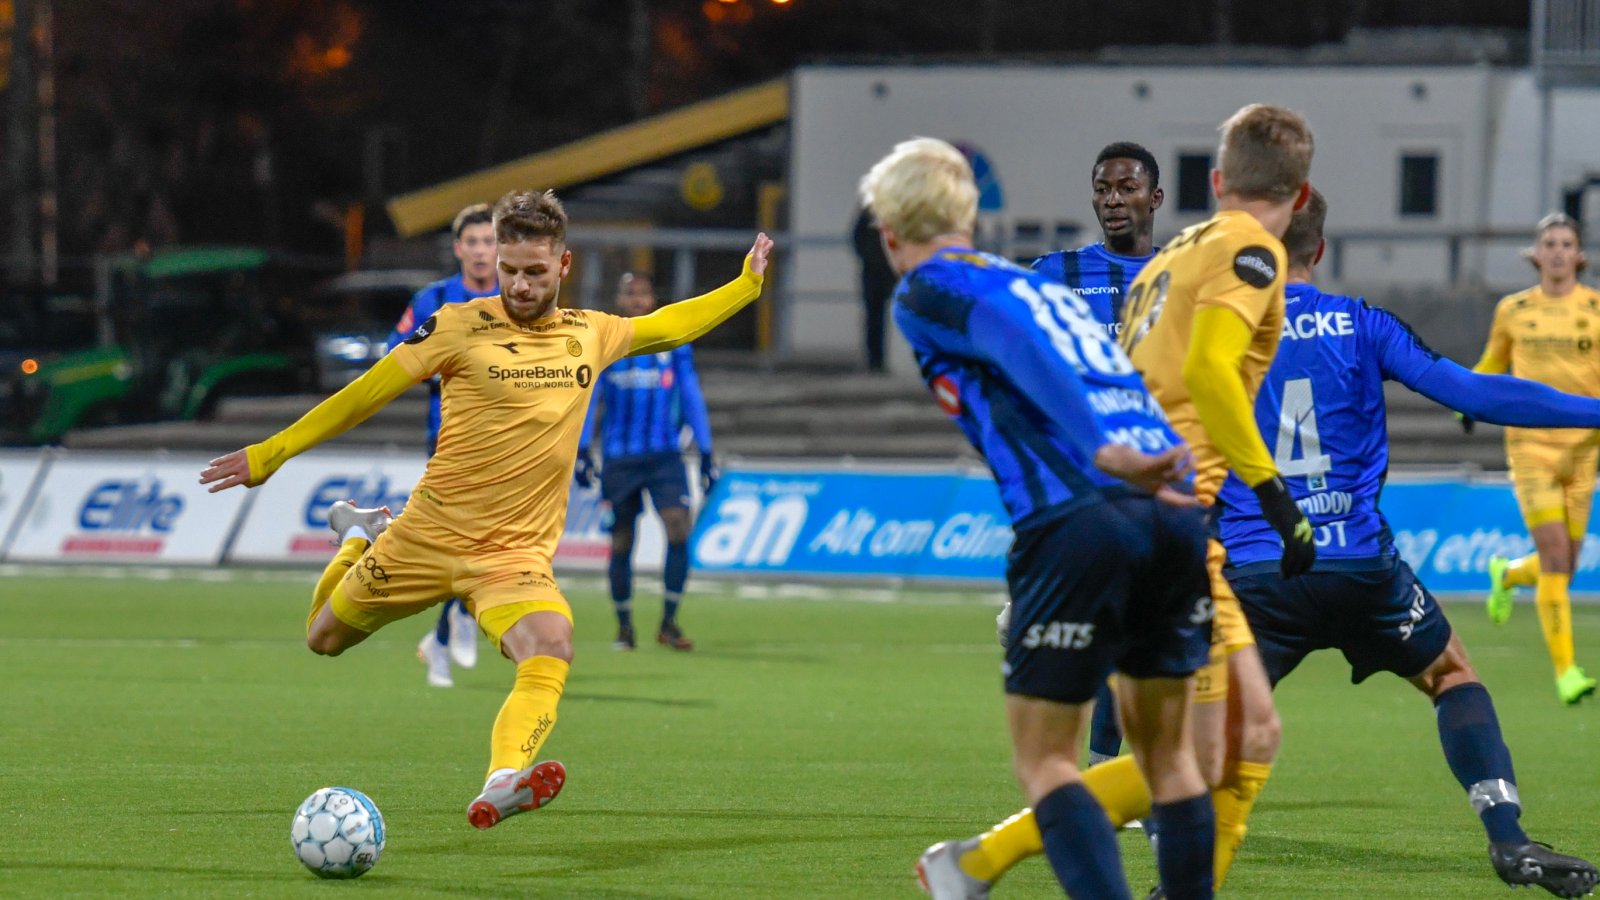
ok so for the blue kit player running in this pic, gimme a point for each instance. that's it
(1102, 576)
(456, 634)
(1125, 186)
(643, 404)
(1322, 408)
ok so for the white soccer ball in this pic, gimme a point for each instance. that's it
(337, 833)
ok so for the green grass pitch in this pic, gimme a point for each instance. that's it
(158, 734)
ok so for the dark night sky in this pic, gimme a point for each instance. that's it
(254, 120)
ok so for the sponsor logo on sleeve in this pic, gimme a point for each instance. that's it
(423, 330)
(1255, 266)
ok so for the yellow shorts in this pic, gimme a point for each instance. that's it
(401, 575)
(1542, 494)
(1229, 630)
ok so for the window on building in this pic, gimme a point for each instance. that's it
(1419, 184)
(1194, 182)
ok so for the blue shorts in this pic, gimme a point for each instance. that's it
(1119, 585)
(1381, 619)
(624, 481)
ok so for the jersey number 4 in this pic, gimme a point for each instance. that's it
(1297, 423)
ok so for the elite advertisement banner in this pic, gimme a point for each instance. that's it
(124, 509)
(288, 520)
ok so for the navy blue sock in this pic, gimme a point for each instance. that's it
(620, 571)
(441, 631)
(1185, 853)
(674, 576)
(1080, 844)
(1105, 734)
(1469, 731)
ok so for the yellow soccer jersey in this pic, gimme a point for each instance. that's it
(514, 402)
(1227, 261)
(1551, 340)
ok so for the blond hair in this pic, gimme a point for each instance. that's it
(924, 188)
(1556, 220)
(1265, 153)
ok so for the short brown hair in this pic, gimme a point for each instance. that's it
(476, 214)
(1304, 234)
(1265, 153)
(530, 216)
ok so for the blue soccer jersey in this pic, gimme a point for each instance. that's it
(1099, 276)
(423, 305)
(1322, 412)
(1033, 380)
(644, 402)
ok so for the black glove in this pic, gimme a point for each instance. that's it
(1466, 422)
(709, 472)
(583, 470)
(1292, 526)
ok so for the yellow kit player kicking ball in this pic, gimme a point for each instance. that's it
(1548, 334)
(484, 521)
(1201, 324)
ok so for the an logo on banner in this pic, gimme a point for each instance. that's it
(124, 518)
(367, 491)
(749, 531)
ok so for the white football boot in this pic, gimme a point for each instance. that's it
(513, 792)
(463, 636)
(437, 658)
(344, 515)
(940, 874)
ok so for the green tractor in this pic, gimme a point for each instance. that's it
(165, 337)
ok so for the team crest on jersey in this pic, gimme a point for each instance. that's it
(573, 347)
(1255, 267)
(423, 330)
(947, 395)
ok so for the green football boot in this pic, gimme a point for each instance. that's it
(1574, 684)
(1500, 594)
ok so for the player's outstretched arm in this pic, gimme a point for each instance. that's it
(679, 323)
(1503, 399)
(334, 416)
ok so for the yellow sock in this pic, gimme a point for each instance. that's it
(349, 552)
(1233, 799)
(1003, 846)
(528, 714)
(1121, 790)
(1555, 618)
(1116, 784)
(1522, 572)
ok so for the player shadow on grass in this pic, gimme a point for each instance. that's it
(578, 857)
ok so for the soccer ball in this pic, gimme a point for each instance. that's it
(337, 833)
